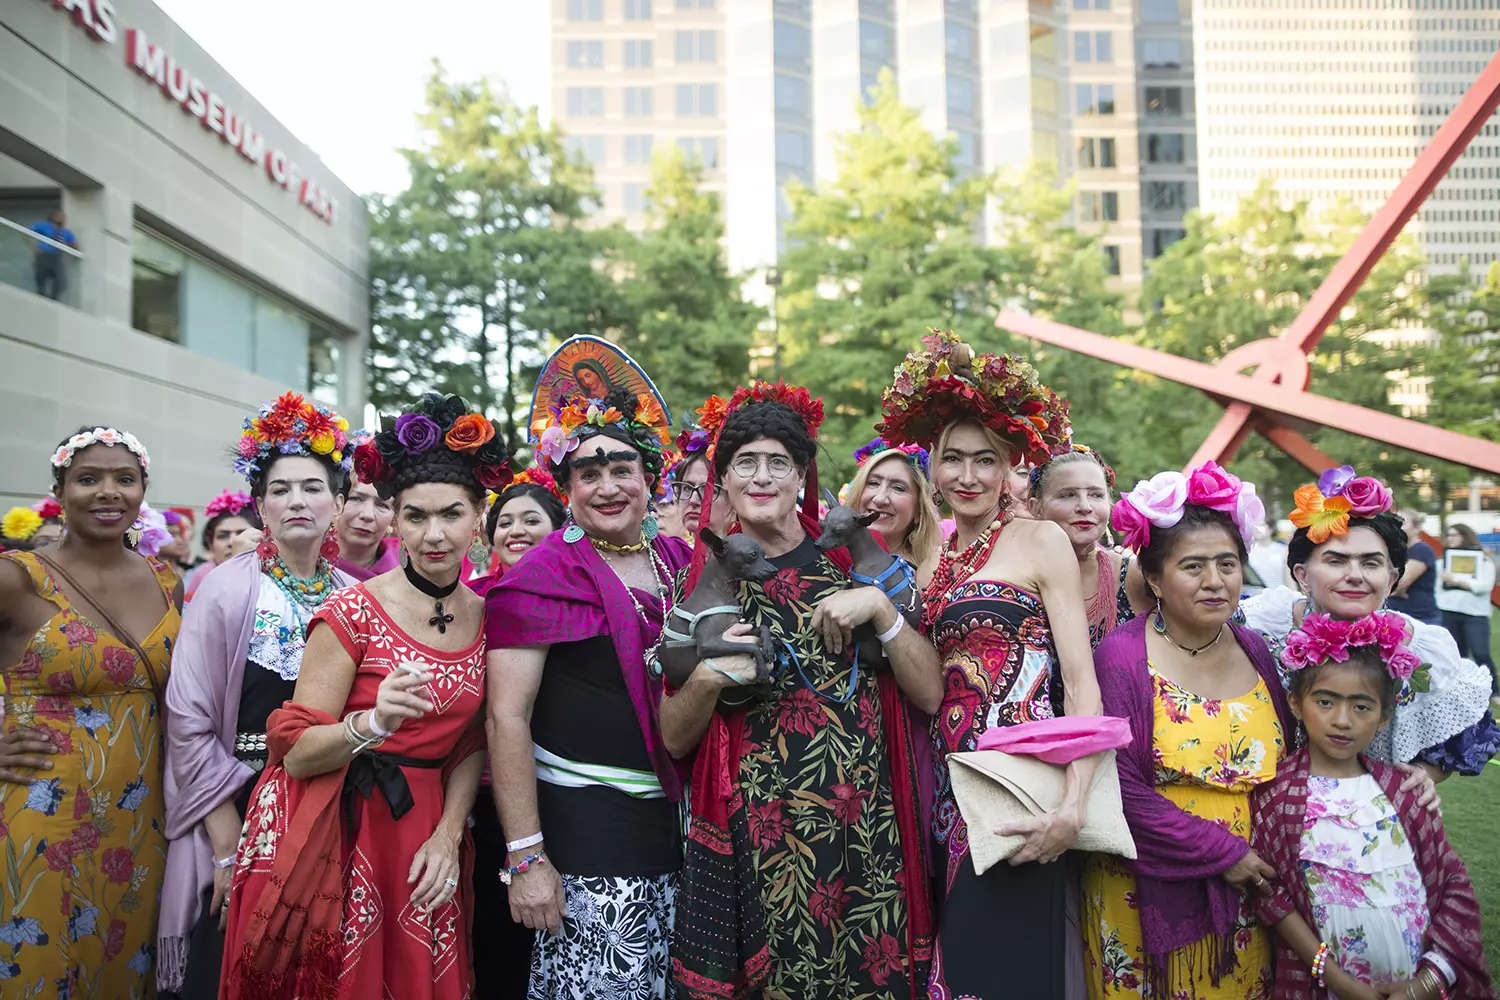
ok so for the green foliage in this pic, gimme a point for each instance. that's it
(687, 322)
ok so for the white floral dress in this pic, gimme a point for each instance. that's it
(1367, 894)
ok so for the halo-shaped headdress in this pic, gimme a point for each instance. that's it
(945, 381)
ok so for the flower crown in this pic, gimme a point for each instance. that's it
(945, 382)
(1325, 508)
(148, 533)
(291, 425)
(1037, 471)
(796, 397)
(63, 457)
(227, 503)
(538, 476)
(20, 523)
(699, 437)
(1159, 501)
(1321, 639)
(914, 453)
(640, 417)
(48, 508)
(436, 422)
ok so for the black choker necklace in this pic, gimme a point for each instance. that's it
(432, 590)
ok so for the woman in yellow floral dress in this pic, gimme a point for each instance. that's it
(81, 807)
(1209, 721)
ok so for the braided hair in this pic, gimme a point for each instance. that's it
(765, 419)
(640, 436)
(440, 440)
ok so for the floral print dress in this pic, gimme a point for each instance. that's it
(1366, 891)
(84, 846)
(1210, 754)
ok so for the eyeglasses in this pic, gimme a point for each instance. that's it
(687, 492)
(778, 466)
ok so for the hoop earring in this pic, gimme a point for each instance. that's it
(330, 547)
(572, 533)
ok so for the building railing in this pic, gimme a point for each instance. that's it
(52, 275)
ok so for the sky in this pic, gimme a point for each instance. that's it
(367, 64)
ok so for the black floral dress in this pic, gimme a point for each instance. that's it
(816, 781)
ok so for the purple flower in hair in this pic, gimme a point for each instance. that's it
(416, 433)
(1332, 482)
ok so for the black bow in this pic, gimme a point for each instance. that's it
(371, 770)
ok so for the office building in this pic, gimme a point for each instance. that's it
(1337, 98)
(217, 261)
(761, 88)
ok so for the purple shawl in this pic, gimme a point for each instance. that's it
(203, 707)
(566, 593)
(389, 558)
(1180, 897)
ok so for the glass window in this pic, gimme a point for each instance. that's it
(1157, 240)
(1107, 153)
(708, 46)
(708, 96)
(959, 41)
(1165, 148)
(791, 94)
(637, 10)
(1043, 94)
(589, 147)
(875, 40)
(218, 316)
(704, 149)
(1095, 98)
(1106, 98)
(967, 156)
(1043, 42)
(1163, 101)
(960, 95)
(635, 197)
(638, 149)
(1096, 153)
(586, 54)
(792, 43)
(685, 46)
(1159, 11)
(585, 101)
(638, 54)
(1111, 258)
(323, 355)
(155, 287)
(1103, 47)
(638, 102)
(281, 343)
(1083, 46)
(792, 149)
(1161, 53)
(687, 99)
(1109, 206)
(1166, 196)
(585, 10)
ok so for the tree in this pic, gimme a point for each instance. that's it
(687, 324)
(484, 254)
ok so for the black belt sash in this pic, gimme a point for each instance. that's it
(373, 770)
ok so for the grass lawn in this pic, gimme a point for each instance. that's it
(1471, 810)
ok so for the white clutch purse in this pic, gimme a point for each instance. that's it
(995, 788)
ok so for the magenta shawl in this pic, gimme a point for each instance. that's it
(388, 558)
(565, 593)
(203, 707)
(1181, 899)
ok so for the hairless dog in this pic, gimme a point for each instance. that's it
(872, 566)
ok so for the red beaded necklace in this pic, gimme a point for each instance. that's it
(955, 567)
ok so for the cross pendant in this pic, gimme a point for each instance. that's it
(439, 619)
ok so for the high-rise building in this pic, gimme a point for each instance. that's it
(760, 89)
(1337, 98)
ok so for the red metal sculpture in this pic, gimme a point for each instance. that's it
(1274, 395)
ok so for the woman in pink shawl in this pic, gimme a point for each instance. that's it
(236, 661)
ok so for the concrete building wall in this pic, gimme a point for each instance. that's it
(124, 157)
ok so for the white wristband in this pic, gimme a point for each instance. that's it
(375, 730)
(893, 631)
(524, 842)
(222, 863)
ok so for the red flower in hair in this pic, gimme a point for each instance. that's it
(370, 466)
(794, 396)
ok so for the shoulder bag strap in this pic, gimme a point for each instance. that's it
(119, 633)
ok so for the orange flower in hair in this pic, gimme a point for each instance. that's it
(469, 433)
(1321, 516)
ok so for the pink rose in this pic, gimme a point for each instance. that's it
(1367, 497)
(1298, 651)
(1249, 513)
(1403, 662)
(1161, 498)
(1134, 529)
(1365, 632)
(1391, 631)
(1211, 485)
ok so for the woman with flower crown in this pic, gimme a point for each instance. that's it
(1347, 554)
(587, 795)
(237, 661)
(806, 872)
(228, 516)
(1004, 608)
(81, 805)
(895, 483)
(350, 878)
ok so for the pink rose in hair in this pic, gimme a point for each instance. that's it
(1328, 636)
(1365, 632)
(1161, 498)
(1367, 497)
(1391, 631)
(1211, 485)
(1298, 652)
(1134, 529)
(1403, 662)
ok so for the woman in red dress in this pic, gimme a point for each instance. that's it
(351, 874)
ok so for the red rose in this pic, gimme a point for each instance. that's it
(115, 942)
(81, 804)
(86, 837)
(50, 706)
(768, 827)
(60, 855)
(119, 664)
(62, 683)
(370, 466)
(827, 902)
(882, 958)
(116, 864)
(846, 803)
(801, 713)
(493, 477)
(78, 634)
(785, 587)
(31, 665)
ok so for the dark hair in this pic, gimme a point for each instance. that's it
(1154, 555)
(1387, 525)
(551, 506)
(59, 474)
(436, 466)
(679, 471)
(247, 512)
(640, 437)
(337, 477)
(767, 419)
(1366, 658)
(1471, 540)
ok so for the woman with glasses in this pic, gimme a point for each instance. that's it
(805, 873)
(690, 474)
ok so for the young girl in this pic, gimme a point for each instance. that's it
(1369, 899)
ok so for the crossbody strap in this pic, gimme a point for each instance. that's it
(118, 632)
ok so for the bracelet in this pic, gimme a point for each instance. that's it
(1433, 981)
(524, 842)
(222, 863)
(507, 875)
(1320, 964)
(355, 739)
(375, 729)
(893, 631)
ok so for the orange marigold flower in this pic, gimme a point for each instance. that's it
(1321, 516)
(572, 416)
(648, 411)
(712, 413)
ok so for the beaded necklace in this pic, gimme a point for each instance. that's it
(662, 578)
(954, 568)
(303, 593)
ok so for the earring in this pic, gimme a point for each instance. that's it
(1157, 621)
(649, 527)
(330, 548)
(572, 533)
(479, 553)
(267, 548)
